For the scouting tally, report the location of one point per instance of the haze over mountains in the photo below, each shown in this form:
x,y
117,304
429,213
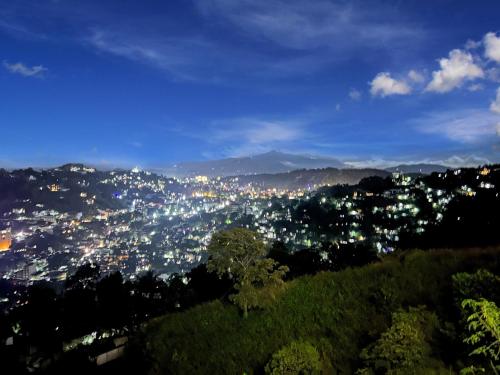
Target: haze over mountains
x,y
274,162
309,178
269,162
418,168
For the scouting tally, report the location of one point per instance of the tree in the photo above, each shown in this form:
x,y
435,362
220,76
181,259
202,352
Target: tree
x,y
86,276
241,253
484,327
207,286
234,251
299,357
481,284
260,285
403,348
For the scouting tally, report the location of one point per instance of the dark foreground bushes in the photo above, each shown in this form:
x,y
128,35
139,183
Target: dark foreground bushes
x,y
347,317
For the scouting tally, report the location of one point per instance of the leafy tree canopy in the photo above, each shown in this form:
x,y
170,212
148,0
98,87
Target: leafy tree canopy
x,y
484,327
241,253
403,348
299,357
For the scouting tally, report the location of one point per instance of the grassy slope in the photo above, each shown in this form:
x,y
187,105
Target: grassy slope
x,y
339,312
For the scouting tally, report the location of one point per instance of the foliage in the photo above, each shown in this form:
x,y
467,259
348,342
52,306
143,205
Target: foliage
x,y
477,285
484,328
240,252
260,285
347,310
91,302
474,292
234,251
404,347
299,357
85,277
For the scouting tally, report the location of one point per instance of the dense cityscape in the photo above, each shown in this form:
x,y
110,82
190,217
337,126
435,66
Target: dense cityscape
x,y
136,221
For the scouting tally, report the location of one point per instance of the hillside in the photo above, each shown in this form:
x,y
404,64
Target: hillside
x,y
75,188
308,179
330,311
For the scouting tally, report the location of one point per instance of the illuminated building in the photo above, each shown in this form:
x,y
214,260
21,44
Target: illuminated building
x,y
5,240
25,273
484,172
201,179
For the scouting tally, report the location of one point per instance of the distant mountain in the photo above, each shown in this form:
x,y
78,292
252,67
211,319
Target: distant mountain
x,y
308,179
270,162
418,168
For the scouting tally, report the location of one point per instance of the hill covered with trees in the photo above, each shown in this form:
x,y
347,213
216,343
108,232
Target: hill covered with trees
x,y
403,315
76,188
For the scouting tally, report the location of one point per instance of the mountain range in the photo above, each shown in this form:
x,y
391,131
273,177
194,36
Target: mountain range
x,y
269,162
275,162
308,178
418,168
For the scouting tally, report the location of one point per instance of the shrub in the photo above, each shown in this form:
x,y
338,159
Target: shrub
x,y
299,357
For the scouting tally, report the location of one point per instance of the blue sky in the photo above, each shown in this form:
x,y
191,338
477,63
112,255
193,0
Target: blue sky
x,y
122,83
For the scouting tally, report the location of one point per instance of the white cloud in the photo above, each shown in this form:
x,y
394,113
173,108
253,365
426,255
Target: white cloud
x,y
169,54
275,131
200,57
472,44
475,87
377,162
253,135
308,25
457,161
384,85
456,69
495,104
452,161
256,131
354,94
268,132
464,126
416,76
492,47
26,71
493,74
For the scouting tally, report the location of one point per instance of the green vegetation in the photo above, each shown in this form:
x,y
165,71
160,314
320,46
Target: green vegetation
x,y
484,328
403,315
404,347
299,357
240,253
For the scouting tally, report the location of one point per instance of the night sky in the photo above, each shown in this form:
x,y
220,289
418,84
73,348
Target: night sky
x,y
147,83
